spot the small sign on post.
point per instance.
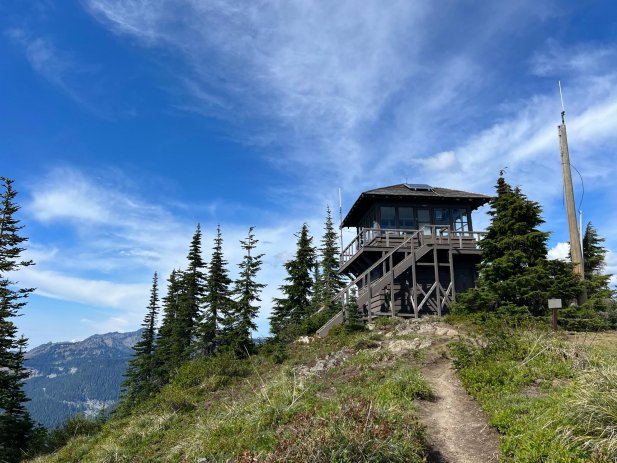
(554, 304)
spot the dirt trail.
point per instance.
(457, 429)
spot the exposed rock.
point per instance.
(322, 365)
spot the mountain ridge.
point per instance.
(77, 377)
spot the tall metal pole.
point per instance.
(575, 240)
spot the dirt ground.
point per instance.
(457, 429)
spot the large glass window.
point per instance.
(459, 219)
(388, 217)
(405, 217)
(442, 216)
(424, 221)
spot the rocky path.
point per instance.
(457, 429)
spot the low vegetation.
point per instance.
(553, 397)
(343, 399)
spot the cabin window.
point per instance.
(442, 216)
(405, 217)
(424, 221)
(459, 219)
(388, 217)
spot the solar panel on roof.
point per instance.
(419, 186)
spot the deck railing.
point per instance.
(389, 238)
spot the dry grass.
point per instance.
(591, 414)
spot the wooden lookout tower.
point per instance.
(415, 248)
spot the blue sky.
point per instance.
(124, 123)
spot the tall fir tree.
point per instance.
(295, 304)
(169, 348)
(514, 274)
(594, 257)
(331, 280)
(219, 306)
(192, 298)
(140, 375)
(318, 289)
(16, 426)
(247, 294)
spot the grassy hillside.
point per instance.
(346, 398)
(356, 397)
(553, 397)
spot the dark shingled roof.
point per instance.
(403, 191)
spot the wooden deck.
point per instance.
(375, 240)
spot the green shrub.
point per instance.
(211, 373)
(581, 319)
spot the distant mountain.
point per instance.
(77, 377)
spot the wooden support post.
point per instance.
(370, 298)
(437, 295)
(451, 262)
(392, 291)
(554, 304)
(414, 291)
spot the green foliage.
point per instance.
(590, 414)
(221, 408)
(140, 375)
(594, 252)
(515, 275)
(219, 306)
(596, 282)
(295, 304)
(352, 315)
(352, 433)
(552, 400)
(192, 295)
(45, 442)
(246, 292)
(169, 349)
(16, 426)
(331, 282)
(581, 318)
(211, 373)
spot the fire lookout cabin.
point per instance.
(415, 249)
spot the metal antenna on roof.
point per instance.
(340, 215)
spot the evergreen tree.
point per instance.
(331, 280)
(169, 348)
(593, 251)
(514, 273)
(16, 426)
(219, 307)
(139, 377)
(246, 291)
(352, 315)
(318, 289)
(594, 255)
(192, 296)
(295, 304)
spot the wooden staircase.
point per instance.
(396, 261)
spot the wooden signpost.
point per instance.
(554, 304)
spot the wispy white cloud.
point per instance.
(581, 59)
(111, 240)
(46, 59)
(99, 293)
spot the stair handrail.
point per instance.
(343, 291)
